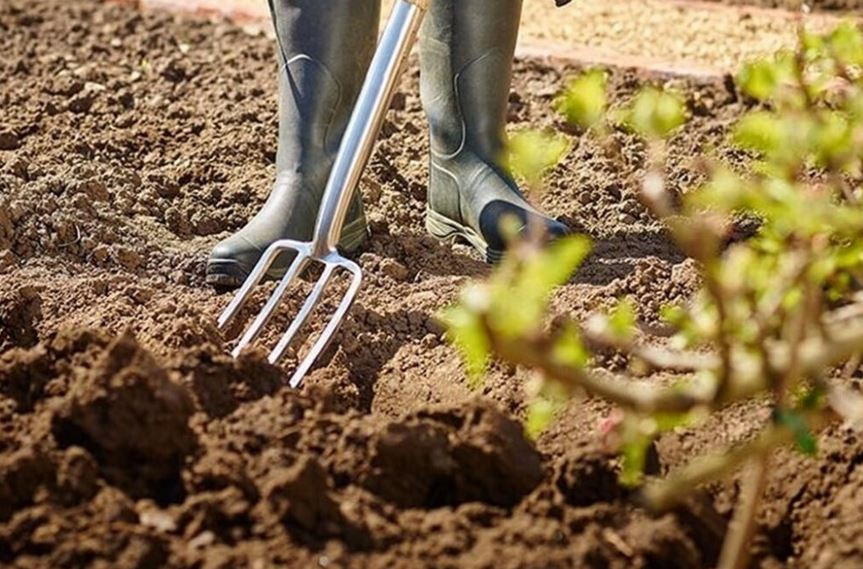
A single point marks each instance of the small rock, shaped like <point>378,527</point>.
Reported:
<point>202,540</point>
<point>128,258</point>
<point>100,253</point>
<point>7,260</point>
<point>435,327</point>
<point>94,190</point>
<point>630,206</point>
<point>399,102</point>
<point>82,102</point>
<point>158,520</point>
<point>394,270</point>
<point>18,167</point>
<point>9,140</point>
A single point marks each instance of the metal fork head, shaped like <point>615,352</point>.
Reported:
<point>332,262</point>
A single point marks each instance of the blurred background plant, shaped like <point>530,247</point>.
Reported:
<point>778,316</point>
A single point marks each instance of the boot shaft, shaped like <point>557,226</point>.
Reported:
<point>324,48</point>
<point>467,49</point>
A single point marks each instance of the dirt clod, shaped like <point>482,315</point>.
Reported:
<point>19,314</point>
<point>9,140</point>
<point>128,436</point>
<point>133,419</point>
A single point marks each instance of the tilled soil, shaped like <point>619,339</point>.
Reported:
<point>129,144</point>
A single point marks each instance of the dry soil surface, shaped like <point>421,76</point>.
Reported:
<point>844,6</point>
<point>129,144</point>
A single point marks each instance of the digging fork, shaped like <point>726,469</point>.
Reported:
<point>354,152</point>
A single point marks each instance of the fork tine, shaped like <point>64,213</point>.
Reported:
<point>273,302</point>
<point>302,317</point>
<point>332,326</point>
<point>253,280</point>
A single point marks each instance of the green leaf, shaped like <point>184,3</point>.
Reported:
<point>760,79</point>
<point>555,265</point>
<point>633,455</point>
<point>585,100</point>
<point>465,328</point>
<point>532,153</point>
<point>546,400</point>
<point>833,139</point>
<point>813,44</point>
<point>846,43</point>
<point>671,421</point>
<point>803,437</point>
<point>726,192</point>
<point>520,299</point>
<point>655,113</point>
<point>569,349</point>
<point>811,398</point>
<point>622,319</point>
<point>764,79</point>
<point>674,314</point>
<point>540,414</point>
<point>761,131</point>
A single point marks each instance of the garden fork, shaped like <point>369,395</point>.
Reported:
<point>356,148</point>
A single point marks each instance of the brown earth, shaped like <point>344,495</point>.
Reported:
<point>130,144</point>
<point>821,5</point>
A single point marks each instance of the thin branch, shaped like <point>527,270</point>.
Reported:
<point>655,357</point>
<point>735,549</point>
<point>665,494</point>
<point>814,355</point>
<point>817,354</point>
<point>537,354</point>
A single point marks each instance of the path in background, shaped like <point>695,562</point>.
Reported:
<point>694,37</point>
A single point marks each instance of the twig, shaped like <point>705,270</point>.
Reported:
<point>665,494</point>
<point>735,549</point>
<point>654,356</point>
<point>814,356</point>
<point>623,392</point>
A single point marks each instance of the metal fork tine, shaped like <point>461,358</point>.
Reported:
<point>253,280</point>
<point>333,325</point>
<point>354,152</point>
<point>302,317</point>
<point>273,302</point>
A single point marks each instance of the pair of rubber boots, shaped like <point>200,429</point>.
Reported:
<point>325,47</point>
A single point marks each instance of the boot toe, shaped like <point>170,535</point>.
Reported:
<point>555,229</point>
<point>491,219</point>
<point>231,261</point>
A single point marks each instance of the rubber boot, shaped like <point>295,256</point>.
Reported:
<point>466,51</point>
<point>325,48</point>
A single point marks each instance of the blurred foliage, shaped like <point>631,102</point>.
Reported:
<point>775,314</point>
<point>533,153</point>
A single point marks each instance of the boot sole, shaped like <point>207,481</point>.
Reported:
<point>231,274</point>
<point>448,230</point>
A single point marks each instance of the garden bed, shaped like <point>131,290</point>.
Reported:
<point>129,144</point>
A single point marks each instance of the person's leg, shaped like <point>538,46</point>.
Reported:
<point>325,47</point>
<point>467,50</point>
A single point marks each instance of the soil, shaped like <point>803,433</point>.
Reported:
<point>822,5</point>
<point>666,34</point>
<point>128,438</point>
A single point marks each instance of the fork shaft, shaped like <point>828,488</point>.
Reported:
<point>366,121</point>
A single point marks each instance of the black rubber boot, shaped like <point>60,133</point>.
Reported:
<point>325,47</point>
<point>467,49</point>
